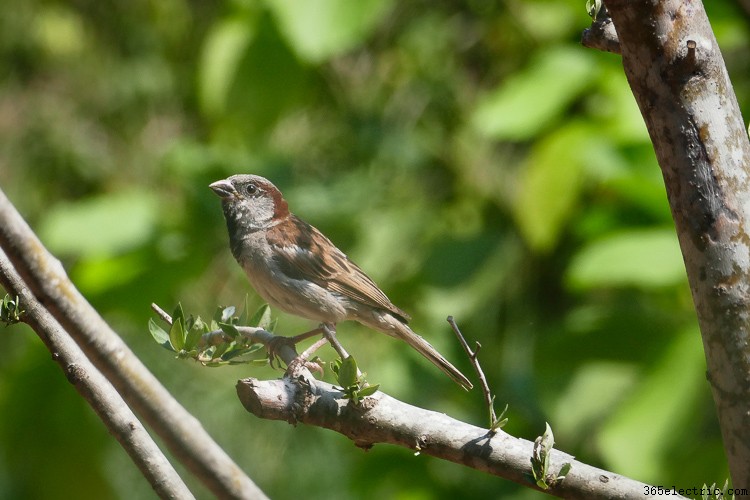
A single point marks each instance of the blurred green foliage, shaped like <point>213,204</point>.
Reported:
<point>470,155</point>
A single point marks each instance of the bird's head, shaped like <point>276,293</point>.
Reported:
<point>250,201</point>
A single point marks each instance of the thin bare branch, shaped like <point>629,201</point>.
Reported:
<point>488,398</point>
<point>183,434</point>
<point>96,390</point>
<point>280,346</point>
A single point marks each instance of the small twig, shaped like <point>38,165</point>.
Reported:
<point>162,314</point>
<point>251,333</point>
<point>283,347</point>
<point>488,397</point>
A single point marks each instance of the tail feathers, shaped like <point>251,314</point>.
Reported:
<point>402,331</point>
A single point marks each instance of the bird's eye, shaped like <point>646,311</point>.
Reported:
<point>251,189</point>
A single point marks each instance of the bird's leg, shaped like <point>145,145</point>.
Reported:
<point>302,336</point>
<point>329,332</point>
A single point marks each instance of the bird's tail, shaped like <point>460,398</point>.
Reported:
<point>398,329</point>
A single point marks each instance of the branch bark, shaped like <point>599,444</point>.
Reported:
<point>183,434</point>
<point>677,74</point>
<point>96,390</point>
<point>383,419</point>
<point>299,397</point>
<point>601,35</point>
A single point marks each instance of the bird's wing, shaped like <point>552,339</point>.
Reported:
<point>303,252</point>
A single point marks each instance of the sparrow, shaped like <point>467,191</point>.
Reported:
<point>295,268</point>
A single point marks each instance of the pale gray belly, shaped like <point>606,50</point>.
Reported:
<point>301,298</point>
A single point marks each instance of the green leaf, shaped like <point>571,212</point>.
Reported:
<point>178,314</point>
<point>547,442</point>
<point>159,334</point>
<point>229,329</point>
<point>216,318</point>
<point>177,335</point>
<point>593,7</point>
<point>540,457</point>
<point>234,353</point>
<point>226,314</point>
<point>219,350</point>
<point>10,310</point>
<point>646,258</point>
<point>320,29</point>
<point>501,419</point>
<point>245,312</point>
<point>369,390</point>
<point>533,99</point>
<point>564,471</point>
<point>194,334</point>
<point>104,225</point>
<point>189,322</point>
<point>347,372</point>
<point>262,318</point>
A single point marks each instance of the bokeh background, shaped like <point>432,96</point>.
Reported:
<point>470,155</point>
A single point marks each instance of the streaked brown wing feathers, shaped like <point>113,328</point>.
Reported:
<point>335,272</point>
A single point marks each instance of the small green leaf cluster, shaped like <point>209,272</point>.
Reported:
<point>593,7</point>
<point>499,422</point>
<point>540,461</point>
<point>213,343</point>
<point>10,310</point>
<point>353,383</point>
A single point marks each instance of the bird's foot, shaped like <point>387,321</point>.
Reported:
<point>277,344</point>
<point>276,347</point>
<point>303,360</point>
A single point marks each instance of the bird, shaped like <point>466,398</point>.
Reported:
<point>296,269</point>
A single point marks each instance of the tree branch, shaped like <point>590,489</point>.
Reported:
<point>677,74</point>
<point>96,390</point>
<point>299,398</point>
<point>183,434</point>
<point>383,419</point>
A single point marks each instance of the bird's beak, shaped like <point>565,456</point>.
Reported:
<point>223,188</point>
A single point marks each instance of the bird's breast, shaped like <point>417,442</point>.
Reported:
<point>300,297</point>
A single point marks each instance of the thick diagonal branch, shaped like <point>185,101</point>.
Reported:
<point>96,390</point>
<point>183,434</point>
<point>678,77</point>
